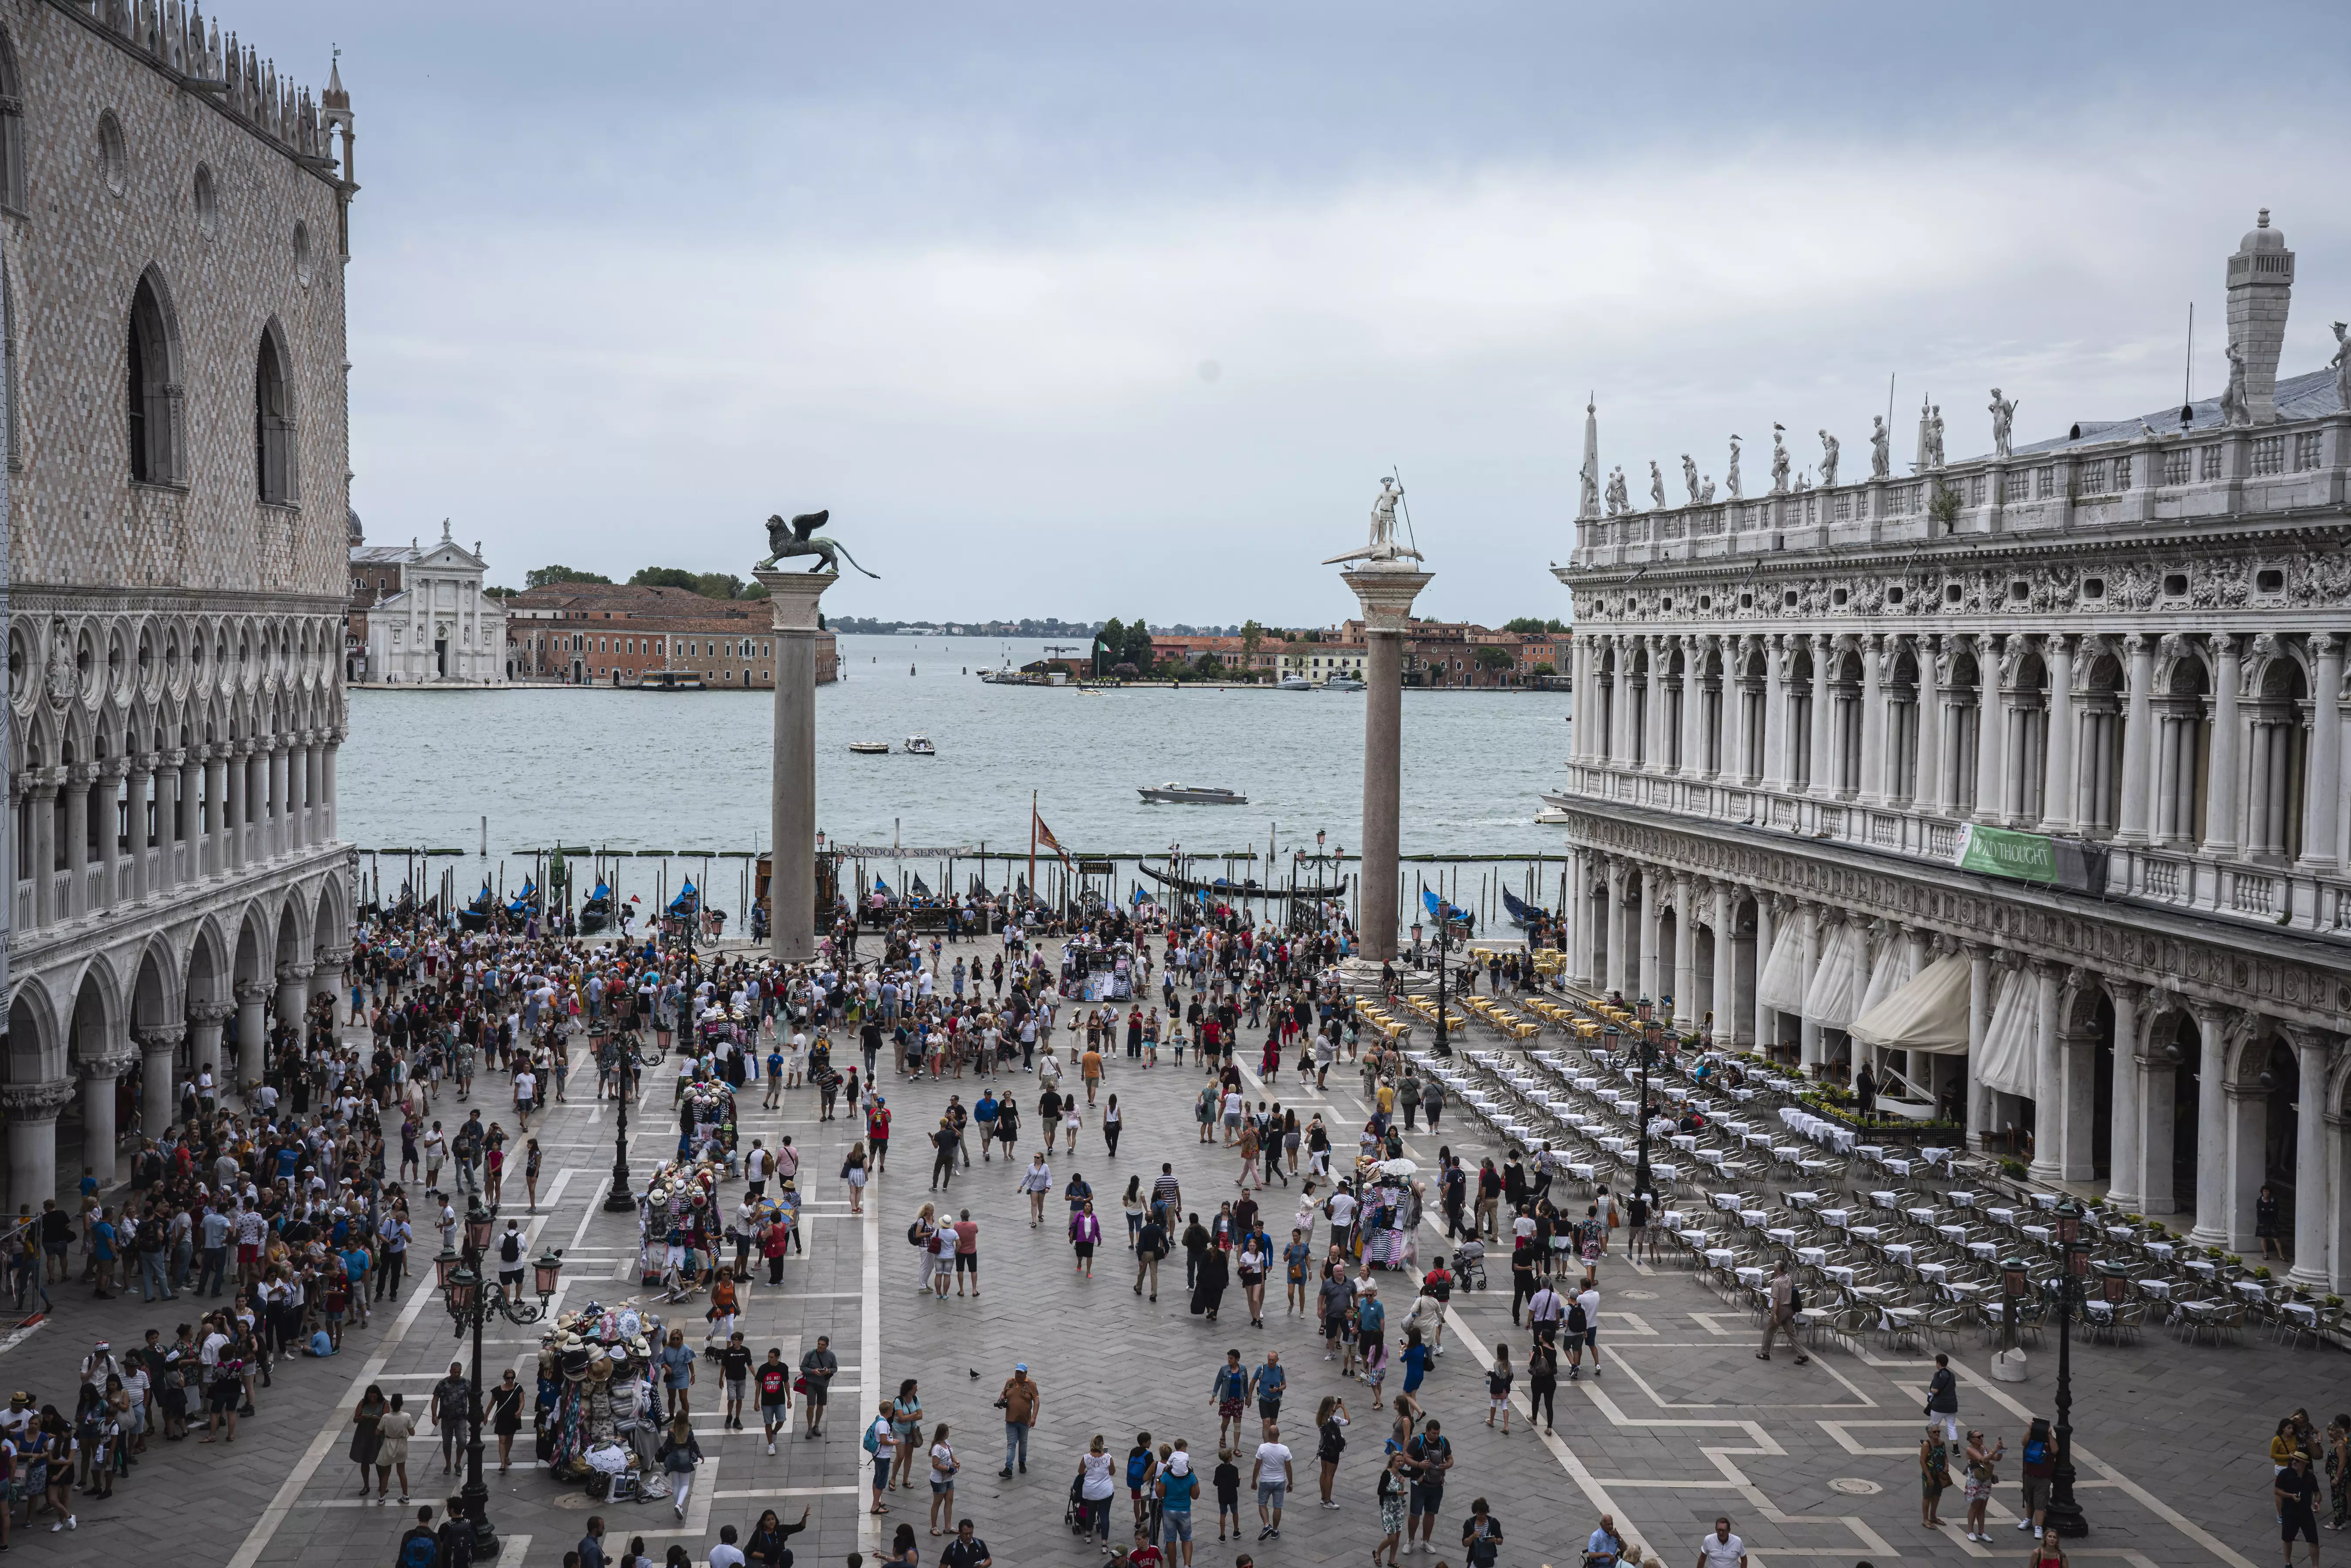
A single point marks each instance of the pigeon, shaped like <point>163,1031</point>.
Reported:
<point>975,1371</point>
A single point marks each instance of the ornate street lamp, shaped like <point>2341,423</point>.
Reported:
<point>2064,1514</point>
<point>472,1301</point>
<point>619,1200</point>
<point>1443,929</point>
<point>1649,1027</point>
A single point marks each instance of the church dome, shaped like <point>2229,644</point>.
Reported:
<point>359,534</point>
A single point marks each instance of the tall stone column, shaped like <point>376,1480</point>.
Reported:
<point>293,993</point>
<point>100,1139</point>
<point>2310,1249</point>
<point>1767,912</point>
<point>1386,589</point>
<point>327,786</point>
<point>77,786</point>
<point>2057,777</point>
<point>791,889</point>
<point>2212,1153</point>
<point>2125,1189</point>
<point>139,882</point>
<point>1647,976</point>
<point>1726,965</point>
<point>1813,934</point>
<point>1977,1114</point>
<point>2322,812</point>
<point>45,855</point>
<point>232,820</point>
<point>2220,790</point>
<point>2158,1100</point>
<point>2048,1081</point>
<point>1620,973</point>
<point>2139,737</point>
<point>1685,1013</point>
<point>190,838</point>
<point>159,1050</point>
<point>33,1137</point>
<point>204,1020</point>
<point>252,997</point>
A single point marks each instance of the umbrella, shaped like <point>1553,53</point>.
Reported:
<point>1396,1168</point>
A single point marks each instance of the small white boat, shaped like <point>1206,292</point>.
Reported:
<point>1192,795</point>
<point>920,746</point>
<point>1293,684</point>
<point>1343,683</point>
<point>1550,817</point>
<point>869,747</point>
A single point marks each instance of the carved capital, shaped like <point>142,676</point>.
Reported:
<point>159,1037</point>
<point>287,974</point>
<point>105,1066</point>
<point>2129,993</point>
<point>211,1014</point>
<point>335,957</point>
<point>252,993</point>
<point>36,1101</point>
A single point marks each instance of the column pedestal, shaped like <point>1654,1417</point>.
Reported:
<point>1386,589</point>
<point>33,1138</point>
<point>791,886</point>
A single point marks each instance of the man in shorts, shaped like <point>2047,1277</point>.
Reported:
<point>1271,1475</point>
<point>1429,1457</point>
<point>966,1250</point>
<point>1177,1486</point>
<point>817,1368</point>
<point>735,1368</point>
<point>774,1381</point>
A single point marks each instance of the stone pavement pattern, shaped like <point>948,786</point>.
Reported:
<point>1684,1424</point>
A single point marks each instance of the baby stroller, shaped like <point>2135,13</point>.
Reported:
<point>1074,1513</point>
<point>1469,1264</point>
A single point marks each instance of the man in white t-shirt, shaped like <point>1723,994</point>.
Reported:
<point>526,1089</point>
<point>1589,1300</point>
<point>725,1554</point>
<point>1341,1209</point>
<point>1721,1549</point>
<point>1270,1476</point>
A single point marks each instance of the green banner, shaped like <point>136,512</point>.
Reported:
<point>1996,852</point>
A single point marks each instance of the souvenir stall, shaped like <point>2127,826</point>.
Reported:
<point>680,1200</point>
<point>598,1408</point>
<point>705,1122</point>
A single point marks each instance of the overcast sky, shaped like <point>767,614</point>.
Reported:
<point>1090,310</point>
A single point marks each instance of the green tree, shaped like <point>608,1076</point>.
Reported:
<point>1493,658</point>
<point>546,576</point>
<point>1110,646</point>
<point>665,577</point>
<point>1530,625</point>
<point>1138,643</point>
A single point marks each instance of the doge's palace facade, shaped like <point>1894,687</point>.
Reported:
<point>174,216</point>
<point>2021,776</point>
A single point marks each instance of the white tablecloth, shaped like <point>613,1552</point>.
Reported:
<point>1960,1199</point>
<point>1899,1167</point>
<point>1816,1256</point>
<point>1684,1141</point>
<point>1954,1233</point>
<point>2038,1232</point>
<point>1921,1215</point>
<point>1717,1255</point>
<point>1898,1250</point>
<point>1983,1249</point>
<point>2162,1288</point>
<point>1784,1237</point>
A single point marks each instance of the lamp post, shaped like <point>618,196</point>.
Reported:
<point>1649,1027</point>
<point>2064,1514</point>
<point>472,1301</point>
<point>619,1200</point>
<point>1443,929</point>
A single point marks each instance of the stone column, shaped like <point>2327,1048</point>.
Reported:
<point>1386,589</point>
<point>2139,737</point>
<point>2125,1187</point>
<point>1813,918</point>
<point>1823,784</point>
<point>44,854</point>
<point>1685,1012</point>
<point>231,816</point>
<point>314,826</point>
<point>2220,790</point>
<point>327,786</point>
<point>1874,656</point>
<point>100,1139</point>
<point>2077,1057</point>
<point>1992,733</point>
<point>78,784</point>
<point>293,994</point>
<point>2248,1107</point>
<point>1623,973</point>
<point>2310,1249</point>
<point>2322,810</point>
<point>1644,944</point>
<point>2212,1152</point>
<point>1926,791</point>
<point>33,1137</point>
<point>1579,659</point>
<point>252,997</point>
<point>159,1050</point>
<point>2159,1099</point>
<point>1693,707</point>
<point>791,889</point>
<point>2048,1077</point>
<point>1775,716</point>
<point>142,880</point>
<point>190,803</point>
<point>1726,966</point>
<point>204,1020</point>
<point>1978,1021</point>
<point>2057,778</point>
<point>1767,909</point>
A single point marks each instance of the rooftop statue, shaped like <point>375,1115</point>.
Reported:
<point>1730,479</point>
<point>1779,461</point>
<point>1689,477</point>
<point>1656,485</point>
<point>1880,459</point>
<point>2235,408</point>
<point>2003,418</point>
<point>1830,448</point>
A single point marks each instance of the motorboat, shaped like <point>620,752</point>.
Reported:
<point>1293,684</point>
<point>920,746</point>
<point>672,681</point>
<point>869,747</point>
<point>1551,816</point>
<point>1343,683</point>
<point>1191,795</point>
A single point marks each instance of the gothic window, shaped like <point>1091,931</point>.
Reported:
<point>12,132</point>
<point>273,423</point>
<point>151,390</point>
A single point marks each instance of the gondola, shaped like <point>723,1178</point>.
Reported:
<point>1224,888</point>
<point>597,912</point>
<point>475,916</point>
<point>524,905</point>
<point>1522,913</point>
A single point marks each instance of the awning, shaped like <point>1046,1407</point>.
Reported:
<point>1834,995</point>
<point>2008,1048</point>
<point>1782,984</point>
<point>1889,975</point>
<point>1930,1013</point>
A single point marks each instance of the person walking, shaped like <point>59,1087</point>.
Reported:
<point>1330,1442</point>
<point>818,1368</point>
<point>1481,1536</point>
<point>944,1465</point>
<point>1150,1247</point>
<point>1271,1475</point>
<point>1085,1235</point>
<point>2295,1491</point>
<point>678,1454</point>
<point>1943,1402</point>
<point>1097,1484</point>
<point>1781,1317</point>
<point>1430,1457</point>
<point>1721,1549</point>
<point>1037,1181</point>
<point>1178,1488</point>
<point>1021,1400</point>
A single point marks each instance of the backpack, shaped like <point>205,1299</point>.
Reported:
<point>2035,1450</point>
<point>914,1233</point>
<point>420,1550</point>
<point>871,1446</point>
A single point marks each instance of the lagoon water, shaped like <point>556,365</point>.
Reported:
<point>634,770</point>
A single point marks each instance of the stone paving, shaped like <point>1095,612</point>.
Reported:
<point>1814,1464</point>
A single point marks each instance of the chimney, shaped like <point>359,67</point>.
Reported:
<point>2261,284</point>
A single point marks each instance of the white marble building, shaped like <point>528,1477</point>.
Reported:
<point>428,622</point>
<point>176,537</point>
<point>2107,670</point>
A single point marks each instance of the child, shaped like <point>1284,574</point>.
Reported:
<point>1376,1368</point>
<point>1498,1388</point>
<point>1228,1482</point>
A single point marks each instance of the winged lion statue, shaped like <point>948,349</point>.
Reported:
<point>800,537</point>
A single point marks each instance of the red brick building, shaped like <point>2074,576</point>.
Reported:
<point>609,635</point>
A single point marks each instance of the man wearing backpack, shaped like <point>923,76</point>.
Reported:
<point>420,1548</point>
<point>457,1540</point>
<point>1782,1319</point>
